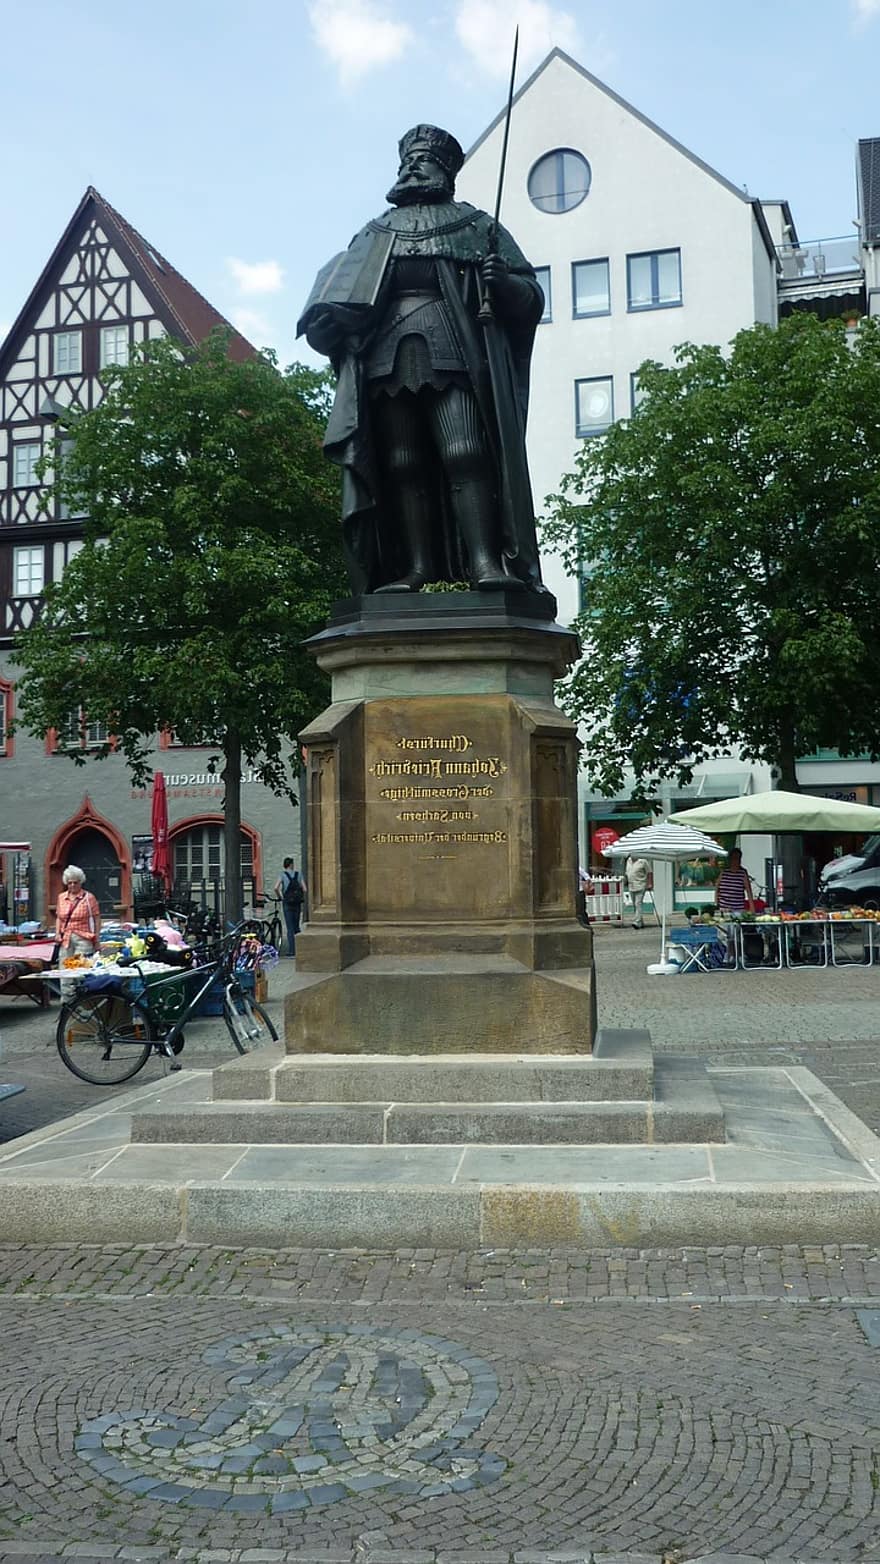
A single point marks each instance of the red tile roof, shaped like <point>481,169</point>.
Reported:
<point>195,316</point>
<point>186,313</point>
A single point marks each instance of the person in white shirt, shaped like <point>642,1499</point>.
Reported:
<point>637,883</point>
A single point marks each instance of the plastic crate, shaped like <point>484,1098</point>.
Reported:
<point>168,994</point>
<point>212,1003</point>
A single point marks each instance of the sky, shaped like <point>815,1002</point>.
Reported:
<point>247,140</point>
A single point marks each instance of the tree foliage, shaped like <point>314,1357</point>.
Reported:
<point>212,551</point>
<point>730,531</point>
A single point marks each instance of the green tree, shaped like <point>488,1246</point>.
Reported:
<point>212,550</point>
<point>730,532</point>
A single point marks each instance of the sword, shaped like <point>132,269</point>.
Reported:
<point>485,311</point>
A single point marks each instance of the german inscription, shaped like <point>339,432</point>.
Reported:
<point>439,812</point>
<point>439,790</point>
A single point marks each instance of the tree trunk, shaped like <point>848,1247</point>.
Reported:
<point>788,759</point>
<point>789,849</point>
<point>232,825</point>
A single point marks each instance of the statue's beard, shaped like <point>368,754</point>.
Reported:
<point>412,192</point>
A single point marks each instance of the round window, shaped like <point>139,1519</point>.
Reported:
<point>559,180</point>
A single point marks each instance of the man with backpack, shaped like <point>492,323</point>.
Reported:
<point>291,887</point>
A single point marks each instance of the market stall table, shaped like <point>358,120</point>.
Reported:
<point>800,944</point>
<point>20,964</point>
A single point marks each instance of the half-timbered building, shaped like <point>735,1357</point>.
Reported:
<point>103,290</point>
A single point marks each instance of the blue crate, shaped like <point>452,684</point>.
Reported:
<point>212,1003</point>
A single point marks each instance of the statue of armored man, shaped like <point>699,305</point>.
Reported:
<point>428,319</point>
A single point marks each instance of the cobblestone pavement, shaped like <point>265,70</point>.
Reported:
<point>427,1406</point>
<point>827,1020</point>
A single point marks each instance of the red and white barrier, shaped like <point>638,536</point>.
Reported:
<point>604,899</point>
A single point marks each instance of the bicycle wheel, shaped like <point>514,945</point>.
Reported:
<point>247,1022</point>
<point>104,1039</point>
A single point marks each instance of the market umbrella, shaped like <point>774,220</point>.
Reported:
<point>666,843</point>
<point>777,811</point>
<point>159,822</point>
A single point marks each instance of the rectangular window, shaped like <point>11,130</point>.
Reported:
<point>594,405</point>
<point>67,352</point>
<point>636,395</point>
<point>653,280</point>
<point>79,733</point>
<point>542,274</point>
<point>96,733</point>
<point>66,511</point>
<point>25,455</point>
<point>27,572</point>
<point>114,345</point>
<point>590,289</point>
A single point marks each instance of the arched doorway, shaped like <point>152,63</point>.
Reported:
<point>94,844</point>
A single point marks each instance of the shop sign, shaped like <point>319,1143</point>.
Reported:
<point>193,784</point>
<point>605,836</point>
<point>846,795</point>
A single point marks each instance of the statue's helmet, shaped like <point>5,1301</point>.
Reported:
<point>440,146</point>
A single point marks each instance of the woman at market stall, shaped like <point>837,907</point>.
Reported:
<point>77,920</point>
<point>733,888</point>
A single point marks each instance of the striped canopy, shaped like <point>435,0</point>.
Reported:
<point>667,842</point>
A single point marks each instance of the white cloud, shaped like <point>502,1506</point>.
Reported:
<point>256,276</point>
<point>865,10</point>
<point>357,35</point>
<point>485,28</point>
<point>252,325</point>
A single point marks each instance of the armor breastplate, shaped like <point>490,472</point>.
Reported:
<point>415,308</point>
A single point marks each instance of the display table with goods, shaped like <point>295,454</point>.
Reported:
<point>805,941</point>
<point>22,961</point>
<point>123,1005</point>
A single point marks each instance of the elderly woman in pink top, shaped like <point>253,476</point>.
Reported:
<point>77,918</point>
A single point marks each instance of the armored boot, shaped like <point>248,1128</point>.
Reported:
<point>412,510</point>
<point>471,486</point>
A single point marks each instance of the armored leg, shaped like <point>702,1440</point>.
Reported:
<point>461,444</point>
<point>400,437</point>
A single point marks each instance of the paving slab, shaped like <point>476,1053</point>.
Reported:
<point>803,1168</point>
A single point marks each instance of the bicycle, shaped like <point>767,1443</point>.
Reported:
<point>271,928</point>
<point>106,1037</point>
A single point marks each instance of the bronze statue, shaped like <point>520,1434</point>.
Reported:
<point>428,319</point>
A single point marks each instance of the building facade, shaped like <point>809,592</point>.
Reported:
<point>103,290</point>
<point>640,245</point>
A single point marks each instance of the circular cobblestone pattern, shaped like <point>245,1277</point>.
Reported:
<point>667,1427</point>
<point>315,1416</point>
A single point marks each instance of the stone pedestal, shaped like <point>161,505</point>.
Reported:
<point>442,835</point>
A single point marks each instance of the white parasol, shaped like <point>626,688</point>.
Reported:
<point>665,842</point>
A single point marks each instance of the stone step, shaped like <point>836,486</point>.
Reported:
<point>619,1070</point>
<point>430,1124</point>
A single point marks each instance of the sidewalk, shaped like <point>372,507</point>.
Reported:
<point>439,1407</point>
<point>462,1404</point>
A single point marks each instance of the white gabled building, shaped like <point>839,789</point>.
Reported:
<point>640,245</point>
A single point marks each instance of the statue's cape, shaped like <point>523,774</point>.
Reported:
<point>497,357</point>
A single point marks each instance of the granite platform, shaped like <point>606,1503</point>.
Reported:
<point>190,1160</point>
